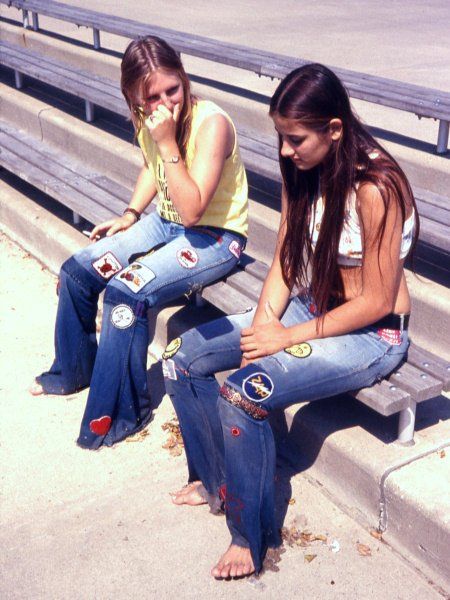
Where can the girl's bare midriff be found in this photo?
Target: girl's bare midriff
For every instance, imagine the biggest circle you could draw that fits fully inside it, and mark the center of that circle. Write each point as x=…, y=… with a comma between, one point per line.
x=352, y=282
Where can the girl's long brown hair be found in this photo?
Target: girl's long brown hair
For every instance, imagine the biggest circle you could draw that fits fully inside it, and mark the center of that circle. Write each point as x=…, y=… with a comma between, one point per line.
x=313, y=95
x=141, y=59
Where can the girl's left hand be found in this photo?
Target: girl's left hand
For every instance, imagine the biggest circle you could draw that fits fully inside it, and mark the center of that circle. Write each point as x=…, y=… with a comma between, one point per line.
x=264, y=339
x=162, y=124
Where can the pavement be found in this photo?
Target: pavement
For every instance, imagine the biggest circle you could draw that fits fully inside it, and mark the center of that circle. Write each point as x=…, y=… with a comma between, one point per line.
x=78, y=524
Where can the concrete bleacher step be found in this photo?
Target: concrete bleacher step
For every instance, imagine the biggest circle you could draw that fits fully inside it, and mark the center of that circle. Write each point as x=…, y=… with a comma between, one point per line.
x=250, y=110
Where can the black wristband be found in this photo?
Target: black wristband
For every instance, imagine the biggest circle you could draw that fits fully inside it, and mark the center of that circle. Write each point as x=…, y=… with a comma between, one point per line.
x=133, y=212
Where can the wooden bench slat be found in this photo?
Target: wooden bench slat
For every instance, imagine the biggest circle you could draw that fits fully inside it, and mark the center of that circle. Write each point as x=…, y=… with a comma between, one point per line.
x=420, y=385
x=430, y=363
x=413, y=98
x=229, y=300
x=384, y=397
x=50, y=185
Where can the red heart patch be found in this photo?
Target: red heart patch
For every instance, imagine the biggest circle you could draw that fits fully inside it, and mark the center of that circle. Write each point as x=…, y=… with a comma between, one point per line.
x=100, y=426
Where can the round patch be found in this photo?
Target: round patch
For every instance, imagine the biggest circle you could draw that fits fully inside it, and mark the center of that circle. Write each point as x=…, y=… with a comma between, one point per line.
x=258, y=387
x=122, y=316
x=299, y=350
x=172, y=348
x=187, y=257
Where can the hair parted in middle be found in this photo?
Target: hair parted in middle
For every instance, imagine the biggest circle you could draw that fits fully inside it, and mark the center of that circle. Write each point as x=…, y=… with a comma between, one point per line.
x=141, y=59
x=312, y=96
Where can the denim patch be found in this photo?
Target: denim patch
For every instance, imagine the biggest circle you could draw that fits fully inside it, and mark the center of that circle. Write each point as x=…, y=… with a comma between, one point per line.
x=100, y=426
x=172, y=348
x=299, y=350
x=107, y=265
x=136, y=276
x=187, y=258
x=122, y=316
x=258, y=386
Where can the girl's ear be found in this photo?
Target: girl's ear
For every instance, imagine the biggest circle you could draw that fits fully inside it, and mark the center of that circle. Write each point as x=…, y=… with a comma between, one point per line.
x=336, y=129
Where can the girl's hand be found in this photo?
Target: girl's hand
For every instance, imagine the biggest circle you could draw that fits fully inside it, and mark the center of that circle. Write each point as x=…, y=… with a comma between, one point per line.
x=162, y=124
x=112, y=226
x=264, y=339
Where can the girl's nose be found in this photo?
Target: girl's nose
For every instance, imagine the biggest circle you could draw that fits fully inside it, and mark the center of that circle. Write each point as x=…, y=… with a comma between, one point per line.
x=167, y=102
x=286, y=149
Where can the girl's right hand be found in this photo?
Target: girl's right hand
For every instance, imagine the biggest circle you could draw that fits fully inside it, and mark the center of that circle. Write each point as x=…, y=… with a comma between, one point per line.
x=109, y=228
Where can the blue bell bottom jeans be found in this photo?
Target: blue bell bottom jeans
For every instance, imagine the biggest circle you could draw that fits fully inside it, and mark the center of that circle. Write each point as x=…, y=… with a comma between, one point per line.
x=153, y=262
x=228, y=439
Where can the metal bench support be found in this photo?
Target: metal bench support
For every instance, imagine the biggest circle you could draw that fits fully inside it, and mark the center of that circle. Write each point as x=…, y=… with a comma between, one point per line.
x=89, y=106
x=35, y=21
x=18, y=78
x=96, y=38
x=25, y=19
x=406, y=423
x=76, y=218
x=442, y=142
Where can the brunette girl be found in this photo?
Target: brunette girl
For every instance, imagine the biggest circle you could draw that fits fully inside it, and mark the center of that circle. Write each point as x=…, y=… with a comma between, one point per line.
x=332, y=316
x=196, y=235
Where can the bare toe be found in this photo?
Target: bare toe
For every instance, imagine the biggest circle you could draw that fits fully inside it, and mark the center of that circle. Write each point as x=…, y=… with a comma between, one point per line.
x=236, y=562
x=193, y=494
x=36, y=389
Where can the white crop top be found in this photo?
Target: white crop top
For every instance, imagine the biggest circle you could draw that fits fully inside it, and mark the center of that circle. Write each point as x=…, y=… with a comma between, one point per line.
x=350, y=244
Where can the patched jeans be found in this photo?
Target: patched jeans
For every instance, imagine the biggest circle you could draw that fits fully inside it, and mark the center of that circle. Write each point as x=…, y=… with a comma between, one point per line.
x=228, y=440
x=153, y=262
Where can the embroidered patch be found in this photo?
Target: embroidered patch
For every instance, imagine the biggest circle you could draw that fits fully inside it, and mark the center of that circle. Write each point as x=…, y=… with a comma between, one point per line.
x=187, y=257
x=235, y=431
x=258, y=387
x=391, y=336
x=235, y=248
x=172, y=348
x=299, y=350
x=107, y=265
x=168, y=369
x=122, y=316
x=136, y=276
x=100, y=426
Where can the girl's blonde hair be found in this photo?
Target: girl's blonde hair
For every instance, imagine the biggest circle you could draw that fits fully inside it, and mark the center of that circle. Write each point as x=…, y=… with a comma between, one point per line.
x=141, y=59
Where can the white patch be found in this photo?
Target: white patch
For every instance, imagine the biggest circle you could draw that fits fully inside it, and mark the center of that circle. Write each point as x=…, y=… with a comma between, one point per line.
x=107, y=265
x=122, y=316
x=187, y=257
x=235, y=248
x=168, y=369
x=136, y=276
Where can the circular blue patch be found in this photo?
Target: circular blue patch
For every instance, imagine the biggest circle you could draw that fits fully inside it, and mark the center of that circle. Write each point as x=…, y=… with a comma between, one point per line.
x=258, y=387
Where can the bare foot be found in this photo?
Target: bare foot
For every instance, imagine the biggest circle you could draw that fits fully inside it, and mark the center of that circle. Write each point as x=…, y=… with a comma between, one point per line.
x=236, y=562
x=36, y=389
x=192, y=494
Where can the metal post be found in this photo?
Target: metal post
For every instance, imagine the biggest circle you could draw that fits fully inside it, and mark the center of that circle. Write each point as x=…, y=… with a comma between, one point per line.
x=89, y=106
x=35, y=21
x=76, y=218
x=18, y=76
x=25, y=20
x=406, y=422
x=442, y=142
x=96, y=38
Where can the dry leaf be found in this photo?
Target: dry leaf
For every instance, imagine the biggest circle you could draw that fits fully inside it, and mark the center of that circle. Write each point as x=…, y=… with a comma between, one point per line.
x=442, y=454
x=364, y=550
x=291, y=501
x=310, y=557
x=175, y=451
x=376, y=534
x=320, y=538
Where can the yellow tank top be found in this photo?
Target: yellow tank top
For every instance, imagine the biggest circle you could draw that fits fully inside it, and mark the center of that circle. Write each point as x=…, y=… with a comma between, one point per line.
x=229, y=206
